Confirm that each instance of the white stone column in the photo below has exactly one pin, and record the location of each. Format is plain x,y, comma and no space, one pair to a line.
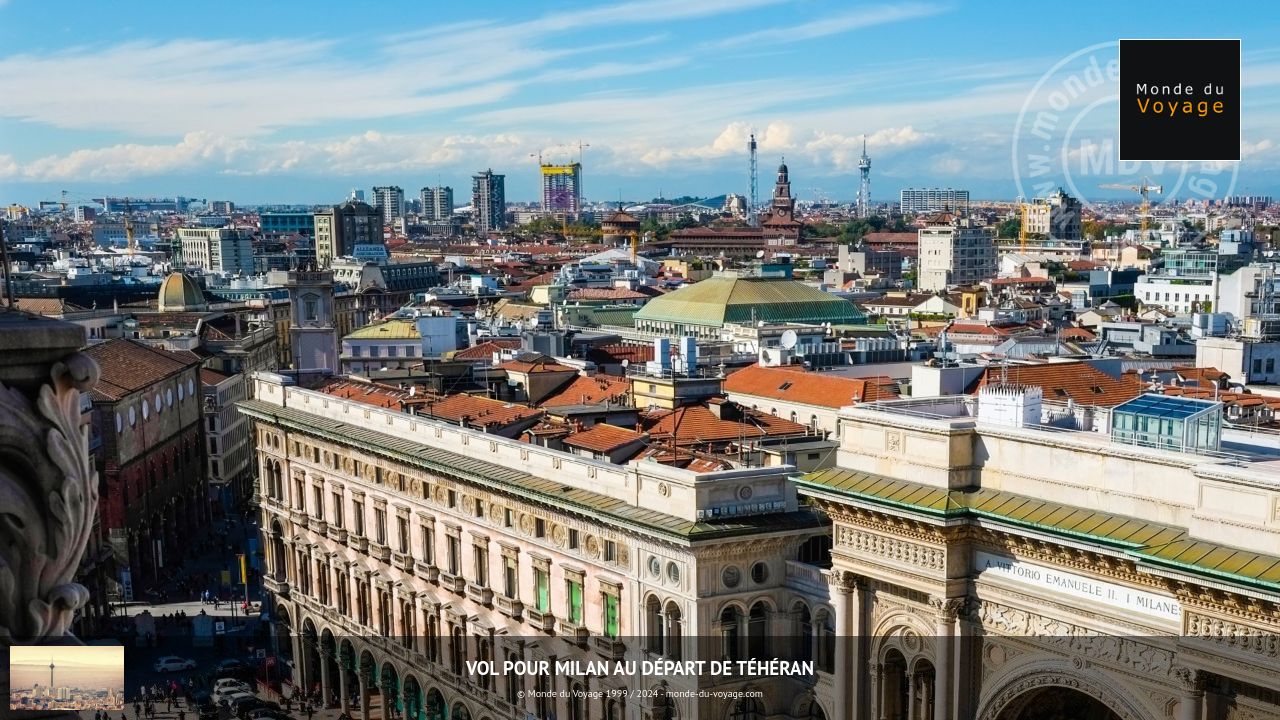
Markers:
946,609
344,692
841,590
1191,704
913,696
364,695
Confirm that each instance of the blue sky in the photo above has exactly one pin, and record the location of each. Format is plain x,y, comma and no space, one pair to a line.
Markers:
301,101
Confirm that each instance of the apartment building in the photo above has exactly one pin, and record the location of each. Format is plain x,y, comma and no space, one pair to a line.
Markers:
400,547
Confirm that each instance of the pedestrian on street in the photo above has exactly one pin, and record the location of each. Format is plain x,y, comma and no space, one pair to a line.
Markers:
137,710
311,711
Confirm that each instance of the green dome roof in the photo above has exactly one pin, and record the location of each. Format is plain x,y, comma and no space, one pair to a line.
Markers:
180,293
731,299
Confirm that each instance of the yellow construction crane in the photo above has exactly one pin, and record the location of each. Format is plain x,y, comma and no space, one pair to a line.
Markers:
1022,227
1144,211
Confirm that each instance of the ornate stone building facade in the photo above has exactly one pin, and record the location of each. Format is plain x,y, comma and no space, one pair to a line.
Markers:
400,548
1009,572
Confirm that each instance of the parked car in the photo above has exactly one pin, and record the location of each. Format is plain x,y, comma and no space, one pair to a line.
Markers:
228,682
233,668
230,695
242,707
206,709
173,663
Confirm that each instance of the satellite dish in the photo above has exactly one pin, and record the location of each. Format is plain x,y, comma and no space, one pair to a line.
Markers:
626,363
789,339
759,253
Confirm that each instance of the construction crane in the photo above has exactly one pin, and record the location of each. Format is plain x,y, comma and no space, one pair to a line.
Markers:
1022,227
1144,211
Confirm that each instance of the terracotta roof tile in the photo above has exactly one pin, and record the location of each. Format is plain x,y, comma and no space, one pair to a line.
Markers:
128,366
604,438
478,412
1078,381
486,349
633,354
595,390
365,392
698,425
808,388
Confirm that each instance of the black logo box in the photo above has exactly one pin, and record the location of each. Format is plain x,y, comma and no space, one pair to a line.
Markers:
1187,68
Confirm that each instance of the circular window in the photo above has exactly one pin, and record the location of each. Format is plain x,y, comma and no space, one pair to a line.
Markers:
146,409
731,577
159,404
744,492
655,567
759,573
673,572
133,417
181,392
119,422
191,388
168,397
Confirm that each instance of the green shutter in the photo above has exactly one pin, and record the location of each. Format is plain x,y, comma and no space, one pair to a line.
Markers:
611,615
575,603
544,592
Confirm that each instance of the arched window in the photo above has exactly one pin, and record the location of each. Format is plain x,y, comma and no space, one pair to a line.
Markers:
802,631
826,631
577,707
758,631
655,623
794,416
731,634
675,632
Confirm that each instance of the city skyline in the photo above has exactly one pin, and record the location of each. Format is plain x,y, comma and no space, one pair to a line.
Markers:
81,675
283,108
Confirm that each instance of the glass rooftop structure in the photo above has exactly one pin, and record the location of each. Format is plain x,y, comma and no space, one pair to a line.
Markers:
1175,423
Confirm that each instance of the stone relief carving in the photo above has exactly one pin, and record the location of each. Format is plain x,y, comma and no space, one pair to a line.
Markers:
1075,641
1232,635
48,499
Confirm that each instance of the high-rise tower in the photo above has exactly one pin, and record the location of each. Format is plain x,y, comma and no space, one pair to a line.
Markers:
753,203
864,188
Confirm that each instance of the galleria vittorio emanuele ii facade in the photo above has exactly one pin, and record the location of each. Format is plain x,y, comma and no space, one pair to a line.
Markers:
960,561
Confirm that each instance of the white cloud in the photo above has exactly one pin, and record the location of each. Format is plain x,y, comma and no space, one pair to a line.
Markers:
858,19
230,87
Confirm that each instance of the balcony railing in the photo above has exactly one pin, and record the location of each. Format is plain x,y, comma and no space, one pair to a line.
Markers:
480,594
574,632
609,648
453,583
806,578
430,573
380,552
545,622
510,607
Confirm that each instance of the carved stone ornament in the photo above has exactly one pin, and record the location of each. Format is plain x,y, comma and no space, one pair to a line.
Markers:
48,484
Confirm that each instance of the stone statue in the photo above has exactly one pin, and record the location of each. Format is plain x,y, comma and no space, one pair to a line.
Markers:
48,484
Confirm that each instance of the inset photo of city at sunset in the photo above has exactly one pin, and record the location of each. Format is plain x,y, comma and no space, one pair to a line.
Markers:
64,677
